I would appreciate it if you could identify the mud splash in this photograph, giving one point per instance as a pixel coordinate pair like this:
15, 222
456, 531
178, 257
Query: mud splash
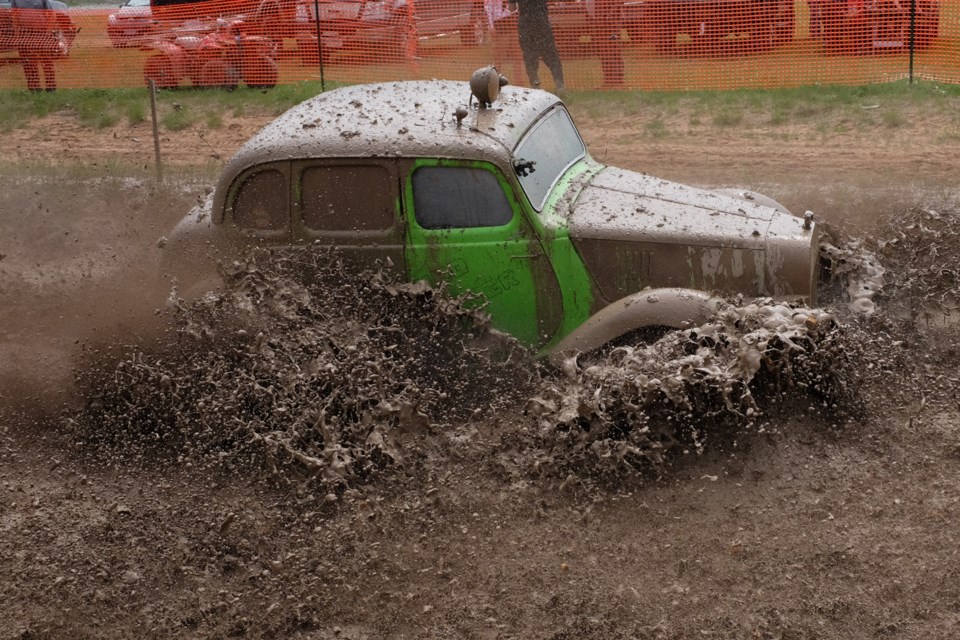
922, 251
327, 379
639, 406
316, 379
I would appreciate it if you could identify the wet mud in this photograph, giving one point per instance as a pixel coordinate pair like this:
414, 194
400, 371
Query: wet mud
344, 456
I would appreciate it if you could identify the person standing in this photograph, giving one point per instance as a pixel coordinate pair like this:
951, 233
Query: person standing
607, 30
536, 41
34, 24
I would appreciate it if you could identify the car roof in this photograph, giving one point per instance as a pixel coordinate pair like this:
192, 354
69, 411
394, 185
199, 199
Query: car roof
394, 119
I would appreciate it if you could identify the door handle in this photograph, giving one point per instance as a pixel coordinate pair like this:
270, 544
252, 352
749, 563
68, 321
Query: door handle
531, 256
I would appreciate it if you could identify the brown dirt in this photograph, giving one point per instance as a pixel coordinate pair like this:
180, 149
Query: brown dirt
808, 532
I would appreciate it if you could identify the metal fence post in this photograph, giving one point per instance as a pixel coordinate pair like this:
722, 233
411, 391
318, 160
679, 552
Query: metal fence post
913, 31
156, 130
316, 20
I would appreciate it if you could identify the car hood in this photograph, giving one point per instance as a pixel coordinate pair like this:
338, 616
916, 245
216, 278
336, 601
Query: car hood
635, 231
132, 13
625, 205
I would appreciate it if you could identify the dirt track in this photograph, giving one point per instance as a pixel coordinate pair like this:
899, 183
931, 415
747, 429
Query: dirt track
809, 532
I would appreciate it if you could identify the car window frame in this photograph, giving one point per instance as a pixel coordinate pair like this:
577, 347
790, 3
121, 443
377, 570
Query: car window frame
538, 207
228, 213
302, 233
513, 198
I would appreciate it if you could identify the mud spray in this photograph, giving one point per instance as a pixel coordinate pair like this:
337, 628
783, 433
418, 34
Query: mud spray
329, 379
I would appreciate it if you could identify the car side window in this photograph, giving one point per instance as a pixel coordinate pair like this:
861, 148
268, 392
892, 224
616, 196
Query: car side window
347, 198
261, 201
459, 197
377, 10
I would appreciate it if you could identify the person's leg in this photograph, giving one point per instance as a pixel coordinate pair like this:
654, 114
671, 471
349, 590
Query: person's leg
611, 61
551, 57
531, 56
49, 75
32, 72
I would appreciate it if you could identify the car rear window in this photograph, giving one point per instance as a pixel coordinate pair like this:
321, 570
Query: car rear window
459, 197
347, 198
261, 201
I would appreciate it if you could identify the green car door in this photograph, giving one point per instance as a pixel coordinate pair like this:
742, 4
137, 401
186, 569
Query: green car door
466, 226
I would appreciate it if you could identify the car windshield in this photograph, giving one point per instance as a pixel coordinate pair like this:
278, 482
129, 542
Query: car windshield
552, 146
138, 3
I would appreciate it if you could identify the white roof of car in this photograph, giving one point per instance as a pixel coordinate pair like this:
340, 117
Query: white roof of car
395, 119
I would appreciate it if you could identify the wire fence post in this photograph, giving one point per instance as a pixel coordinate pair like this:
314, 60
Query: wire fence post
316, 21
913, 32
156, 130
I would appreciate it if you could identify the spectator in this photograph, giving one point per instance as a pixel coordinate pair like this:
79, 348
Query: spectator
611, 49
536, 41
494, 10
38, 43
816, 19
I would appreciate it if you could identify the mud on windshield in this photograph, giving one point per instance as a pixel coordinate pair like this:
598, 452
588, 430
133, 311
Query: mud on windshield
551, 147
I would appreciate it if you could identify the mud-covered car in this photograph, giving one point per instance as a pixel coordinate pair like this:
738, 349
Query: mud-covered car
64, 24
504, 201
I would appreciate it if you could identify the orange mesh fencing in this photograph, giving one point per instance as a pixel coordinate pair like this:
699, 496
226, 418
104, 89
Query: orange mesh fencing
635, 44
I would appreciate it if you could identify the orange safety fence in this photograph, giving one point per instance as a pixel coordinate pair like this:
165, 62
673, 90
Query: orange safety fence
634, 44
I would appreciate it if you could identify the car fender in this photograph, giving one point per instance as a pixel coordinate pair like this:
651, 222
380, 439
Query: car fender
674, 307
756, 198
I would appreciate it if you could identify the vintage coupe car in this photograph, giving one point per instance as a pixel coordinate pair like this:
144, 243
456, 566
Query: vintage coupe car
502, 200
64, 23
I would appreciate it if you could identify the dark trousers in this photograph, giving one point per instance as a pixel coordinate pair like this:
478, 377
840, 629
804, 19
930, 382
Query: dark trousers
537, 43
37, 51
611, 61
31, 69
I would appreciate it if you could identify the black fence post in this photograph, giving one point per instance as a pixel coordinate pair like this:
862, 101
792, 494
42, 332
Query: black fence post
316, 21
913, 32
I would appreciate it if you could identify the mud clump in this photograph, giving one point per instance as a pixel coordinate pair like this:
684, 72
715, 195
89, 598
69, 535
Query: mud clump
301, 368
911, 348
636, 408
325, 377
921, 249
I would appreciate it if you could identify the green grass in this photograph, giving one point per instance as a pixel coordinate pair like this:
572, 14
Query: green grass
102, 108
893, 119
728, 118
778, 117
775, 106
656, 128
177, 120
214, 120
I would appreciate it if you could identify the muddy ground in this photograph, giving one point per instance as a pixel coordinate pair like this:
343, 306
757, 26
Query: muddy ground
820, 527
